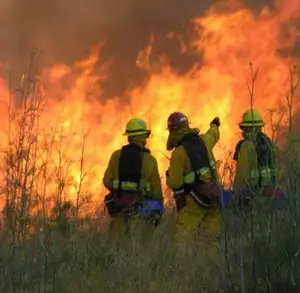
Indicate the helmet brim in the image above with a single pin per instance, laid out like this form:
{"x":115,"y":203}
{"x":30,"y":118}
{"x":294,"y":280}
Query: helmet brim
{"x":183,"y":124}
{"x":139,"y":132}
{"x":252,"y":124}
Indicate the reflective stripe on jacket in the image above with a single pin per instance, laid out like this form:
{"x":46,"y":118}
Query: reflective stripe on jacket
{"x":203,"y":172}
{"x":132,"y":186}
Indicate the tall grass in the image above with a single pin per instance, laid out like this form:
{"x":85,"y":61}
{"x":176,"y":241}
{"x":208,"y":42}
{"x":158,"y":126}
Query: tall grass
{"x":258,"y":250}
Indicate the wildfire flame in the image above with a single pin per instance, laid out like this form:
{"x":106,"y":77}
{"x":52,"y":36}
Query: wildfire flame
{"x":82,"y":127}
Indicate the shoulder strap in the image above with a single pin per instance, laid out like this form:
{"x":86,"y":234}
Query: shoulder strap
{"x":197,"y":152}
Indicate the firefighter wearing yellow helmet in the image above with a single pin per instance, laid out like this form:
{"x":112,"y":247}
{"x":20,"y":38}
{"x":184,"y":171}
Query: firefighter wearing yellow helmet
{"x":193,"y":177}
{"x":131,"y":176}
{"x":255,"y":160}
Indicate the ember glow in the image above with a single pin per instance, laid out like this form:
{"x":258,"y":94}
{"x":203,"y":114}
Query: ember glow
{"x":80,"y":121}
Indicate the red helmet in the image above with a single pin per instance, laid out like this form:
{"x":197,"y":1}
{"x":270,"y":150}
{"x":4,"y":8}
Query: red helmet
{"x":176,"y":120}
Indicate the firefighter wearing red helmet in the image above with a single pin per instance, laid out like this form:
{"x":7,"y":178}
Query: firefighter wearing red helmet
{"x":193,"y":176}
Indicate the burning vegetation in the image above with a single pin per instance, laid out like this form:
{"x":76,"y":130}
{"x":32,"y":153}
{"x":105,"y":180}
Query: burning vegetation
{"x":59,"y":125}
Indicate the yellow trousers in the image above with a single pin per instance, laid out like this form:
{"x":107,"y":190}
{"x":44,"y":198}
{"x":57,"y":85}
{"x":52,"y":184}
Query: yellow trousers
{"x":193,"y":220}
{"x":120,"y":227}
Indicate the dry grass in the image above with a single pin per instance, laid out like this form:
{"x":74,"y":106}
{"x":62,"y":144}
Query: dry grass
{"x":74,"y":259}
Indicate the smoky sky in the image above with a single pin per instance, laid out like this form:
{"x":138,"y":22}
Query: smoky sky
{"x":65,"y":30}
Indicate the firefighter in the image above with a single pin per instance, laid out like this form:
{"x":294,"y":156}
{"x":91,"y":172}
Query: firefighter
{"x":193,"y":176}
{"x":255,"y":156}
{"x":132,"y":176}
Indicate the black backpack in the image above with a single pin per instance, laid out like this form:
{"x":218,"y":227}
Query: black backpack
{"x":130,"y":163}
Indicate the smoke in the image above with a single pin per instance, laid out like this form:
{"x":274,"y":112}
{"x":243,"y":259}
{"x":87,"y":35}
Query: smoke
{"x":65,"y":30}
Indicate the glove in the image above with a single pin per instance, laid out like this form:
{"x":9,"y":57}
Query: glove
{"x":216,"y":121}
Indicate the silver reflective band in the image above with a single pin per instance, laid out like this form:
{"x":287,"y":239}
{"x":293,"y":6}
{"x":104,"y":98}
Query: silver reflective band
{"x":196,"y":198}
{"x":190,"y":178}
{"x":127,"y":185}
{"x":263,"y":172}
{"x":179,"y":192}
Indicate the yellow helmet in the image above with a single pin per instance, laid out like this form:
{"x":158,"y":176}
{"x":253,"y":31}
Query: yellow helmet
{"x":252,"y":118}
{"x":136,"y":126}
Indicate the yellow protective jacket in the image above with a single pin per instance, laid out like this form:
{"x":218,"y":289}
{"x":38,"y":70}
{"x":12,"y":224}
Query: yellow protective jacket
{"x":180,"y":170}
{"x":247,"y":170}
{"x":151,"y":183}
